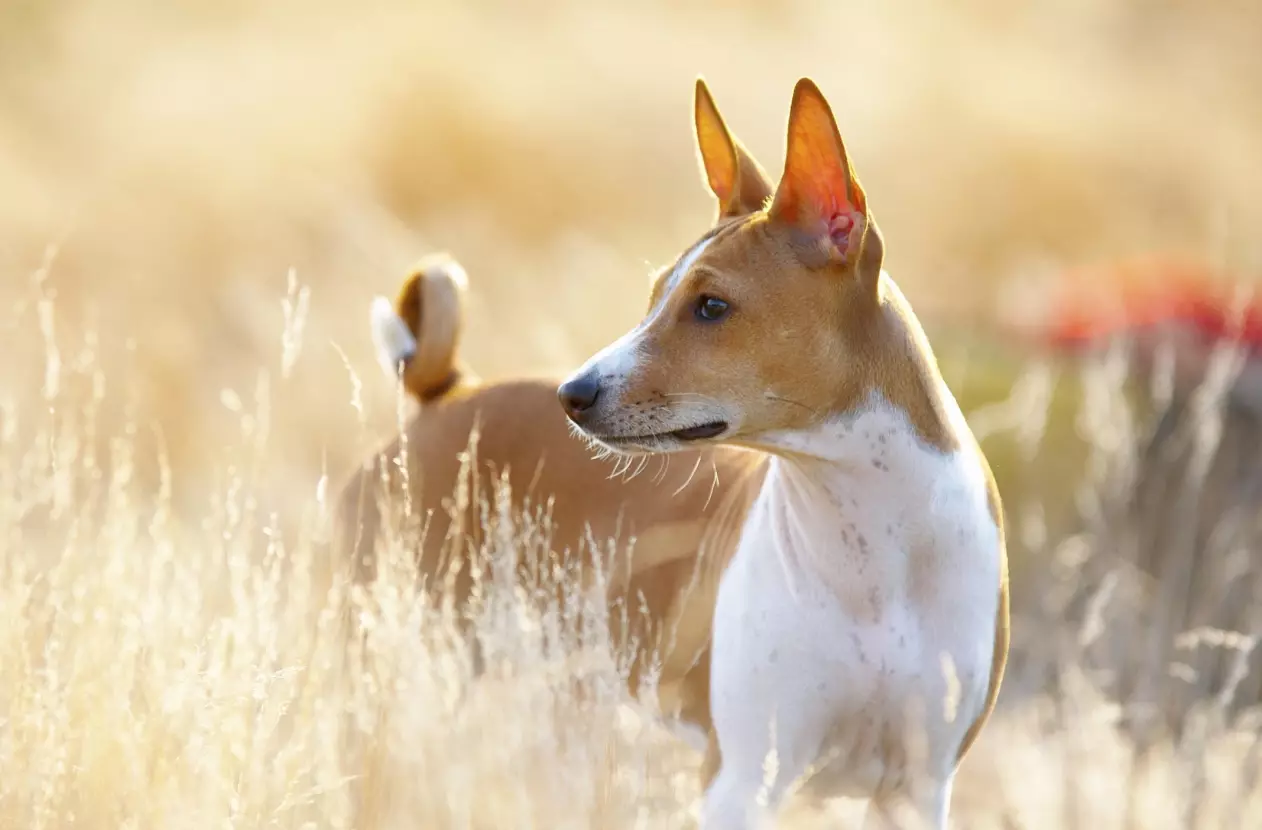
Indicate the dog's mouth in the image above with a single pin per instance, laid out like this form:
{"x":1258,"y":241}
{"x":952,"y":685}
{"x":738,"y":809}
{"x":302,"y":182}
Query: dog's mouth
{"x":701,"y":432}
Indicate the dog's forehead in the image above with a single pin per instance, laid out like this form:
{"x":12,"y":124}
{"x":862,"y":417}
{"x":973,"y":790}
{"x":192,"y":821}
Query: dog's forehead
{"x":722,"y":249}
{"x":672,"y":275}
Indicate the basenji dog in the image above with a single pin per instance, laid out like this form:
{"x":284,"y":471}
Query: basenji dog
{"x":861,"y":627}
{"x":671,"y":527}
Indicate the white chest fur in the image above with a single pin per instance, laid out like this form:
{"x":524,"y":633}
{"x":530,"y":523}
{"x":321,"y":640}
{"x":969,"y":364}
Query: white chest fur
{"x":855,"y":625}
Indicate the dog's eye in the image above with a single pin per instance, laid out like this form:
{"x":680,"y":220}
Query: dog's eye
{"x":711,"y":309}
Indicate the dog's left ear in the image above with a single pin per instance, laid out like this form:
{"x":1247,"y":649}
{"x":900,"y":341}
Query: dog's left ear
{"x":819,"y":192}
{"x":734,"y":176}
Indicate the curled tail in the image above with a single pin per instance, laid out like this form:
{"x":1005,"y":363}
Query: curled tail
{"x":418,"y":334}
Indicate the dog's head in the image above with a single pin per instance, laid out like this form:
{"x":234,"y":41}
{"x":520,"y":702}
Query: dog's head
{"x":766,"y":323}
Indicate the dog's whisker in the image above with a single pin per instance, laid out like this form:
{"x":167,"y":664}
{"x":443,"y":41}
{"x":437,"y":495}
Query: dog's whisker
{"x":697,"y":396}
{"x":780,"y":398}
{"x":631,"y":469}
{"x":644,"y":462}
{"x":662,"y":468}
{"x":688,"y":481}
{"x":714,"y":484}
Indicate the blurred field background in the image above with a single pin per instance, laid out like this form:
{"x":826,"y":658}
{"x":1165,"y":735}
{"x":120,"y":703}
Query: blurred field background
{"x":183,"y":183}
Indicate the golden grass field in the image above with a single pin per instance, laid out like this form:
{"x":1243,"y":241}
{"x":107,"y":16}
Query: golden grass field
{"x":198,"y":201}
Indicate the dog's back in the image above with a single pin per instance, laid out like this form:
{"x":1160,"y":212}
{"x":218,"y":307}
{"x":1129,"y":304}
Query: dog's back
{"x":683,"y":515}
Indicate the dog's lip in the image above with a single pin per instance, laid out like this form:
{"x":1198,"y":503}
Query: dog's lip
{"x":711,"y":429}
{"x":700,"y":432}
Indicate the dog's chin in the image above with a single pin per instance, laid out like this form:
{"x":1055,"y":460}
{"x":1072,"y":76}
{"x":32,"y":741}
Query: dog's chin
{"x":660,"y":442}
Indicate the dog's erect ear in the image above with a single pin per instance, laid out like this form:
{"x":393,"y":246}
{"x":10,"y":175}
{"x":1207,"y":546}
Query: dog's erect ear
{"x":819,"y":192}
{"x":736,"y":179}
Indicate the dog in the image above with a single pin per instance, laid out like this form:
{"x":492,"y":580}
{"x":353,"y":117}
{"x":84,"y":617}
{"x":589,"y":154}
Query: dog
{"x":679,"y":517}
{"x":861,"y":626}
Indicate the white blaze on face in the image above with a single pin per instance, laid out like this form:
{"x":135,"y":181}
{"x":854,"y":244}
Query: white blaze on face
{"x":619,"y":359}
{"x":394,"y":342}
{"x":685,"y":265}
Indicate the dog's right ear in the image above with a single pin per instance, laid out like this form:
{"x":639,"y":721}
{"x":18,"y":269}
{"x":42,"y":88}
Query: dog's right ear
{"x":735,"y":178}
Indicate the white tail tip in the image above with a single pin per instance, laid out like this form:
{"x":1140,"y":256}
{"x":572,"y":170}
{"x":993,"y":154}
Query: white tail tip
{"x":394,"y":342}
{"x":448,"y":266}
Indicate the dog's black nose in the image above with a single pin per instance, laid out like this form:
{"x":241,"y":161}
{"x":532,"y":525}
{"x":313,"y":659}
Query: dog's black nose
{"x":578,"y":395}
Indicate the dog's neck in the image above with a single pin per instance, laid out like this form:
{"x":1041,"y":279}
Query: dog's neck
{"x":849,"y":508}
{"x":873,"y":453}
{"x":889,"y":431}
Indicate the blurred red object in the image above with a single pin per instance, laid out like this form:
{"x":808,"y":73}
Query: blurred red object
{"x":1153,"y":302}
{"x":1124,"y":297}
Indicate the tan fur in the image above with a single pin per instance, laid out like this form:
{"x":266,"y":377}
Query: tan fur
{"x":737,"y":180}
{"x":1003,"y":630}
{"x":813,"y":328}
{"x":683,"y":515}
{"x":875,"y":341}
{"x":431,"y":303}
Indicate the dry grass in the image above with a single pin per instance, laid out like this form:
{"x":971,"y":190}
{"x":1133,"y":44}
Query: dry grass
{"x":160,"y":673}
{"x":166,"y":671}
{"x":166,"y":657}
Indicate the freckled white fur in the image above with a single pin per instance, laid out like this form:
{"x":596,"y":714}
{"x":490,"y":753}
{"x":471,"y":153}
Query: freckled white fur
{"x":394,"y":342}
{"x":827,"y":660}
{"x":619,"y":359}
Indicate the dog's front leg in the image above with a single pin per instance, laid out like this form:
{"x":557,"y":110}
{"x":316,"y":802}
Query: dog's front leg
{"x":924,"y":808}
{"x":733,"y":802}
